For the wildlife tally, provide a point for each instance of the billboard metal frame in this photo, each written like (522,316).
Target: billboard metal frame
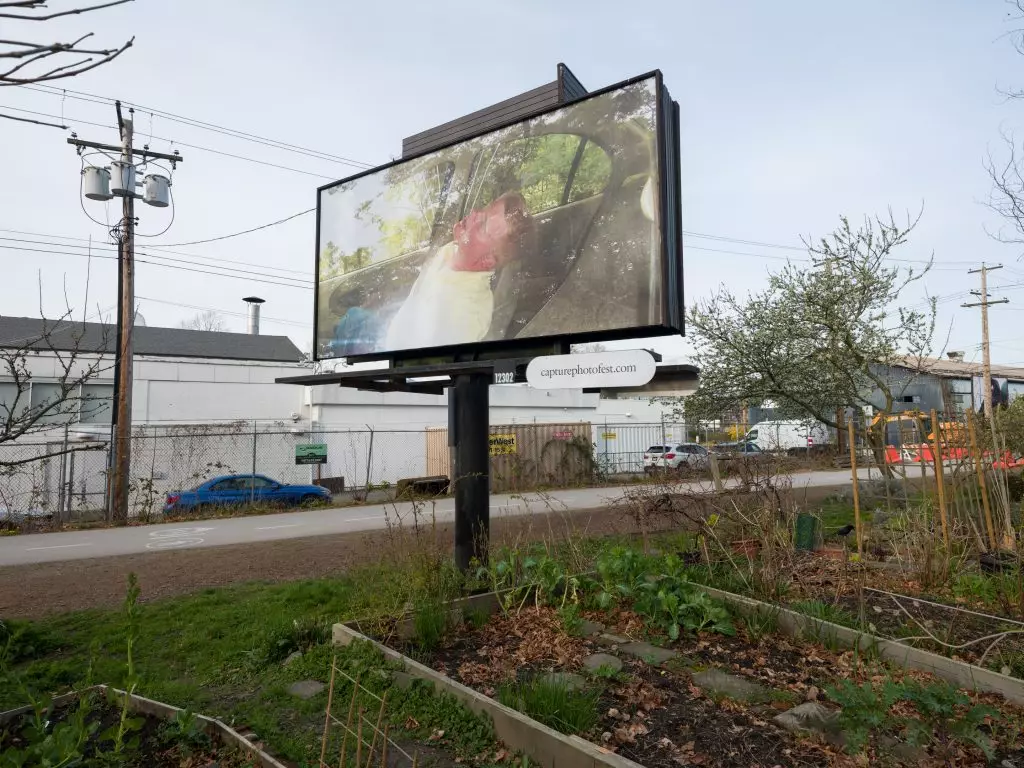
(670,222)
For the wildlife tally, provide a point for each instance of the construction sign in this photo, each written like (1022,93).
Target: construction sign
(502,445)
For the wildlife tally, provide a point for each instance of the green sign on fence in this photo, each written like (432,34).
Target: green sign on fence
(311,453)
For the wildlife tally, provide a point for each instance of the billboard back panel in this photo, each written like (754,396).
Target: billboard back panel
(546,228)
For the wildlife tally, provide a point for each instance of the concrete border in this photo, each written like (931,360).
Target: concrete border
(959,673)
(163,711)
(547,747)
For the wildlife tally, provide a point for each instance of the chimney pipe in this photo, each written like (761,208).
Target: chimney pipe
(254,314)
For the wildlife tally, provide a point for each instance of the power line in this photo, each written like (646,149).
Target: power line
(180,261)
(203,125)
(236,234)
(174,142)
(804,260)
(246,276)
(224,311)
(201,260)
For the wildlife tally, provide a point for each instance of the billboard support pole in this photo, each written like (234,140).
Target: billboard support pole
(469,405)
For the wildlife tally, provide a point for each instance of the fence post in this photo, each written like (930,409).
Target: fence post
(69,496)
(63,474)
(252,482)
(940,479)
(977,458)
(369,464)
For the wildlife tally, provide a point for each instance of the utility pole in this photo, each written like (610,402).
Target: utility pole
(986,360)
(98,185)
(125,354)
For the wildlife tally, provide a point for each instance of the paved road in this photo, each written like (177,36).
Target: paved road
(107,542)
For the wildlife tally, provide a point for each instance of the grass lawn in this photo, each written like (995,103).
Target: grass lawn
(220,653)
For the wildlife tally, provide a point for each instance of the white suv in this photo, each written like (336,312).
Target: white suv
(676,456)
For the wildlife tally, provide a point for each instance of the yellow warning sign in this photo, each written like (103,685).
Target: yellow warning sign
(502,445)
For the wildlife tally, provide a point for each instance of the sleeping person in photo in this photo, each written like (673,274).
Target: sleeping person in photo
(452,301)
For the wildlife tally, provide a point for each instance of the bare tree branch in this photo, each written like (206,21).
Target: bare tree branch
(31,53)
(208,320)
(42,4)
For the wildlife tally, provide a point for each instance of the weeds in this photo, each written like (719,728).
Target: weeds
(865,710)
(761,623)
(430,623)
(818,609)
(946,716)
(298,635)
(572,622)
(553,703)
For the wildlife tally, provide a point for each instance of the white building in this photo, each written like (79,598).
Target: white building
(206,403)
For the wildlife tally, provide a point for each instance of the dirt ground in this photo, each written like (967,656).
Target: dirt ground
(33,591)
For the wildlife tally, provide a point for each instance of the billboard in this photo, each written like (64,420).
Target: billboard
(561,226)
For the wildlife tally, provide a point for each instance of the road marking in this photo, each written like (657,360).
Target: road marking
(58,546)
(177,533)
(173,543)
(275,527)
(175,538)
(358,519)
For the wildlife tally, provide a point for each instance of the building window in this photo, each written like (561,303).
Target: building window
(97,403)
(92,405)
(46,400)
(910,399)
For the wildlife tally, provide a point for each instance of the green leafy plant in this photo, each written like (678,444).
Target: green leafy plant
(948,718)
(569,616)
(675,605)
(553,703)
(865,710)
(621,573)
(120,733)
(186,732)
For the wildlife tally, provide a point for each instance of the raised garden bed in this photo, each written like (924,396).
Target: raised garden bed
(642,676)
(82,728)
(975,618)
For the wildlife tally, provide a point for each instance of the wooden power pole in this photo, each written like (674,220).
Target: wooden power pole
(123,424)
(124,168)
(986,360)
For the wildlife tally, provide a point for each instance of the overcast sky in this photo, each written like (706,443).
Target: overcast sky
(793,113)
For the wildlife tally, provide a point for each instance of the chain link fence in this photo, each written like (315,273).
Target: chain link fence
(66,479)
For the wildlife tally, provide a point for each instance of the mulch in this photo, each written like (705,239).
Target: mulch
(654,716)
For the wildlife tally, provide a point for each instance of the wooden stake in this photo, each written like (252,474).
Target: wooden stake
(856,489)
(359,740)
(384,749)
(979,466)
(376,730)
(327,717)
(940,478)
(348,722)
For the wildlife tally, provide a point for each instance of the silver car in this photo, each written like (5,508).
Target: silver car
(676,456)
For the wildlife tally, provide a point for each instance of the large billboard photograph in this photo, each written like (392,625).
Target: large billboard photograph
(547,228)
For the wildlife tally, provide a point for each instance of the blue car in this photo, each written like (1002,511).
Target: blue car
(229,490)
